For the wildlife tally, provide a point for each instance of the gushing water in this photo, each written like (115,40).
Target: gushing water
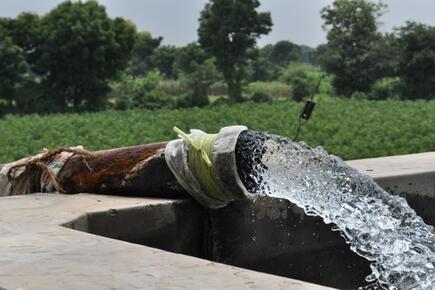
(377,225)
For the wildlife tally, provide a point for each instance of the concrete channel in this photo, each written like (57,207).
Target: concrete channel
(87,241)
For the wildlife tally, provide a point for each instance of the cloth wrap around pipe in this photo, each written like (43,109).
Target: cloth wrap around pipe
(15,179)
(224,167)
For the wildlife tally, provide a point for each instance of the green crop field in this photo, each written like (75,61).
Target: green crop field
(348,128)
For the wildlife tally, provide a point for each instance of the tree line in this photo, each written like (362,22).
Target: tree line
(77,58)
(358,55)
(63,59)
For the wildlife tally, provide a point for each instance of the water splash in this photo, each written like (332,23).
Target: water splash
(377,225)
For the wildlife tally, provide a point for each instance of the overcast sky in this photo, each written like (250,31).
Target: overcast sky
(177,20)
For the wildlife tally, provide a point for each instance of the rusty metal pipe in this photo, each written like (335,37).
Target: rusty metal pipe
(159,169)
(137,170)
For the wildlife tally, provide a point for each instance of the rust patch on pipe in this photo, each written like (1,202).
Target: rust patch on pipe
(136,170)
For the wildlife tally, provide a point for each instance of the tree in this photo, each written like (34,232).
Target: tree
(142,55)
(297,76)
(284,52)
(386,55)
(417,60)
(266,51)
(261,69)
(189,57)
(198,72)
(228,31)
(26,32)
(199,82)
(163,60)
(82,50)
(352,29)
(13,67)
(141,92)
(317,54)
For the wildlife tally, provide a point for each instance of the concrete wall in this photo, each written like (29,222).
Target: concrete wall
(271,235)
(274,236)
(177,227)
(36,252)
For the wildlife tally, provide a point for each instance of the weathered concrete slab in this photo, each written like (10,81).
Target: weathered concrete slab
(412,174)
(269,235)
(37,253)
(391,166)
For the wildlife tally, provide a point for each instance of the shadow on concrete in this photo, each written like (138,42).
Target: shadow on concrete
(270,235)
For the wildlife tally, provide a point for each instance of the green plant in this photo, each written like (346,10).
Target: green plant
(295,69)
(218,88)
(222,102)
(173,87)
(386,88)
(301,87)
(3,107)
(273,89)
(261,97)
(350,129)
(359,96)
(155,99)
(199,81)
(141,93)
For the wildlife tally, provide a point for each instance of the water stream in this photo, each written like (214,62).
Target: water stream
(377,225)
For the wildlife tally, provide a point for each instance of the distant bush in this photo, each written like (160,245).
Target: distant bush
(198,82)
(183,101)
(293,70)
(304,79)
(261,97)
(173,87)
(129,85)
(31,98)
(222,102)
(302,87)
(192,100)
(218,89)
(359,96)
(141,92)
(3,107)
(386,88)
(326,87)
(156,99)
(272,89)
